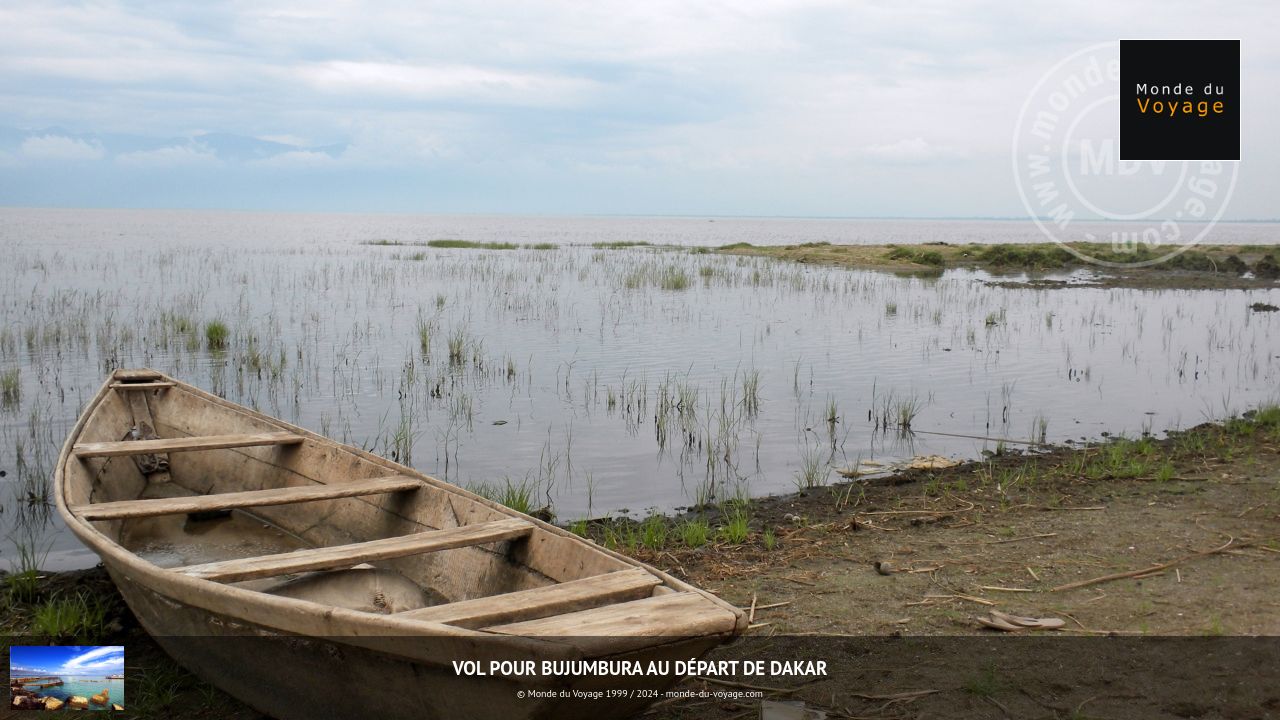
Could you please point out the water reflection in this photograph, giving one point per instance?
(594, 379)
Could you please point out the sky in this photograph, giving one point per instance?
(752, 107)
(67, 660)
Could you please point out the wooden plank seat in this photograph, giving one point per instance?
(136, 375)
(142, 385)
(618, 627)
(565, 597)
(184, 444)
(341, 556)
(244, 499)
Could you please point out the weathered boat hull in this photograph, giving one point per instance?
(295, 658)
(293, 677)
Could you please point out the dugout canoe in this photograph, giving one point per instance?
(312, 579)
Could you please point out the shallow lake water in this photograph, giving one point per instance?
(600, 379)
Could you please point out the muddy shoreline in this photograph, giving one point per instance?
(1125, 539)
(1207, 267)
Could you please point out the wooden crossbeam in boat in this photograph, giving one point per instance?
(540, 602)
(136, 375)
(340, 556)
(249, 498)
(142, 385)
(681, 614)
(185, 444)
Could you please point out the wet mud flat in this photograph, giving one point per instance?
(1159, 556)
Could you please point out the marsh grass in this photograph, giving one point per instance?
(425, 330)
(1123, 458)
(813, 471)
(906, 410)
(693, 532)
(519, 496)
(216, 335)
(736, 527)
(457, 346)
(81, 618)
(620, 244)
(22, 584)
(10, 388)
(159, 690)
(653, 532)
(920, 256)
(674, 278)
(751, 392)
(471, 244)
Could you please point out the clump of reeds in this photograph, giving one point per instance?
(471, 244)
(216, 334)
(518, 496)
(10, 388)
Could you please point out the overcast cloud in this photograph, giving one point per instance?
(763, 108)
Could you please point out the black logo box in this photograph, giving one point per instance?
(1158, 78)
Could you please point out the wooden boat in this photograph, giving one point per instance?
(308, 578)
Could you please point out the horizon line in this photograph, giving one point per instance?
(682, 216)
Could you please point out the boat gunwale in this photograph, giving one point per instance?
(305, 617)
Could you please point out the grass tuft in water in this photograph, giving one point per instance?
(216, 334)
(10, 388)
(620, 244)
(471, 244)
(674, 278)
(517, 496)
(813, 470)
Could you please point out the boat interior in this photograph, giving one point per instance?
(202, 487)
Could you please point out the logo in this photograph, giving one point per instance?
(1078, 187)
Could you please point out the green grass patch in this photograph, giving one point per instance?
(653, 532)
(932, 258)
(620, 244)
(737, 524)
(80, 618)
(1031, 257)
(674, 278)
(471, 244)
(216, 334)
(517, 496)
(10, 387)
(694, 532)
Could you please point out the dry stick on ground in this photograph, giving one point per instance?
(1147, 570)
(909, 695)
(745, 686)
(1008, 540)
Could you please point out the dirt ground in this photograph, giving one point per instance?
(956, 543)
(1195, 554)
(1177, 537)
